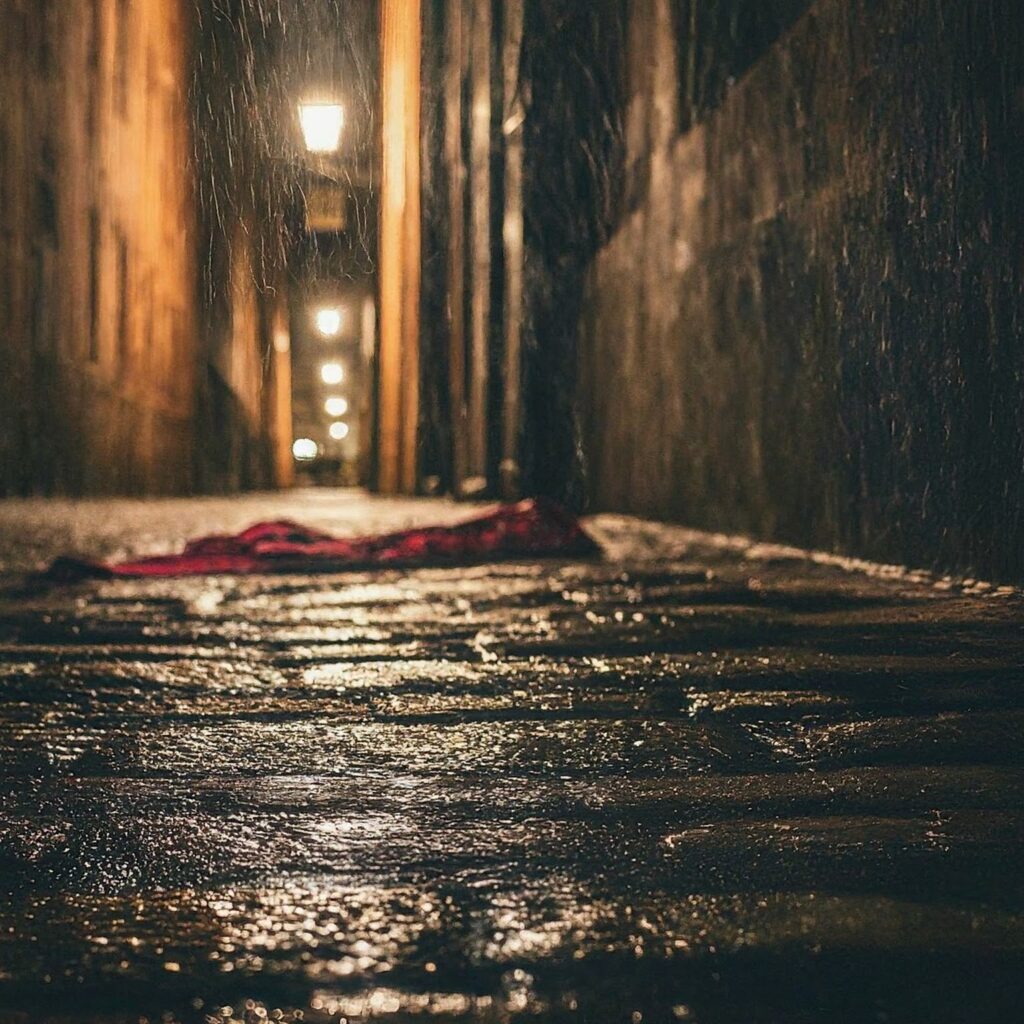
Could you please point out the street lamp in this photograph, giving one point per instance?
(331, 373)
(329, 321)
(304, 449)
(321, 126)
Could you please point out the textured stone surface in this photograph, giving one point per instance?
(692, 781)
(807, 324)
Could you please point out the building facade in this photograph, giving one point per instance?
(109, 360)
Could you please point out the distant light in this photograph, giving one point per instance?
(329, 321)
(332, 373)
(338, 430)
(321, 126)
(304, 449)
(336, 406)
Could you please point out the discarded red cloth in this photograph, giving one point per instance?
(533, 528)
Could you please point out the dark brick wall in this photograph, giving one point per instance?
(808, 323)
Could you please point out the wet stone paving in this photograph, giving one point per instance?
(694, 780)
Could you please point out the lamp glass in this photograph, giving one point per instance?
(329, 321)
(332, 373)
(321, 126)
(304, 449)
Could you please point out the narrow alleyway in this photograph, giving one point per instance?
(690, 781)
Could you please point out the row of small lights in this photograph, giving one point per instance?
(329, 322)
(305, 448)
(321, 125)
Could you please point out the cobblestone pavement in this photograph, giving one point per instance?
(690, 782)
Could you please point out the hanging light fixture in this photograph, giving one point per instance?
(321, 126)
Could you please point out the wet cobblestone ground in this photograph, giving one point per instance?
(690, 782)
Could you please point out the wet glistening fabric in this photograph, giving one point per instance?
(532, 528)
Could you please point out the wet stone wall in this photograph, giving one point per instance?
(807, 323)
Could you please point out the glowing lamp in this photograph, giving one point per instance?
(338, 430)
(304, 449)
(331, 373)
(329, 321)
(321, 126)
(336, 406)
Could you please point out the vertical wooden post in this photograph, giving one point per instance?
(412, 254)
(480, 242)
(455, 61)
(279, 414)
(398, 410)
(367, 403)
(513, 115)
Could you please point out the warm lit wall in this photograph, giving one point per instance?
(242, 423)
(243, 416)
(278, 397)
(97, 252)
(809, 324)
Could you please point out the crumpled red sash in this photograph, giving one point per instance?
(529, 529)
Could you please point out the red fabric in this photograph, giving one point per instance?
(533, 528)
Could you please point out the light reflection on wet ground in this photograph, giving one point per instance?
(679, 784)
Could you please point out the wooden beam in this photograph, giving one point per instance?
(412, 255)
(279, 413)
(398, 356)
